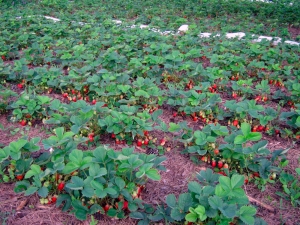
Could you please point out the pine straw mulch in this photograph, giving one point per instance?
(179, 171)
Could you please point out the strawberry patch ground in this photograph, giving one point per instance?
(149, 112)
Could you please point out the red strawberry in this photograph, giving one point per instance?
(235, 123)
(271, 81)
(162, 142)
(65, 95)
(61, 186)
(256, 174)
(246, 180)
(258, 98)
(146, 133)
(213, 163)
(3, 57)
(220, 164)
(216, 151)
(94, 102)
(214, 86)
(19, 177)
(73, 91)
(254, 129)
(106, 207)
(91, 138)
(113, 136)
(260, 128)
(20, 86)
(23, 123)
(234, 95)
(139, 142)
(118, 141)
(125, 205)
(195, 118)
(74, 99)
(53, 199)
(174, 114)
(146, 141)
(277, 132)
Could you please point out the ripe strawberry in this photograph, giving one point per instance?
(139, 190)
(214, 86)
(271, 81)
(195, 118)
(106, 207)
(258, 98)
(146, 141)
(277, 132)
(162, 142)
(91, 138)
(146, 133)
(220, 164)
(139, 142)
(65, 95)
(53, 199)
(213, 163)
(118, 141)
(61, 186)
(254, 129)
(23, 123)
(255, 174)
(234, 95)
(113, 136)
(19, 177)
(235, 123)
(20, 86)
(74, 99)
(222, 173)
(73, 91)
(125, 205)
(174, 114)
(3, 57)
(246, 180)
(260, 128)
(216, 151)
(94, 102)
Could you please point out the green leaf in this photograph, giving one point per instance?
(153, 174)
(43, 192)
(194, 187)
(81, 214)
(200, 210)
(191, 217)
(120, 182)
(31, 190)
(237, 181)
(240, 139)
(171, 200)
(174, 127)
(77, 183)
(177, 215)
(215, 202)
(254, 136)
(185, 201)
(246, 214)
(246, 128)
(95, 170)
